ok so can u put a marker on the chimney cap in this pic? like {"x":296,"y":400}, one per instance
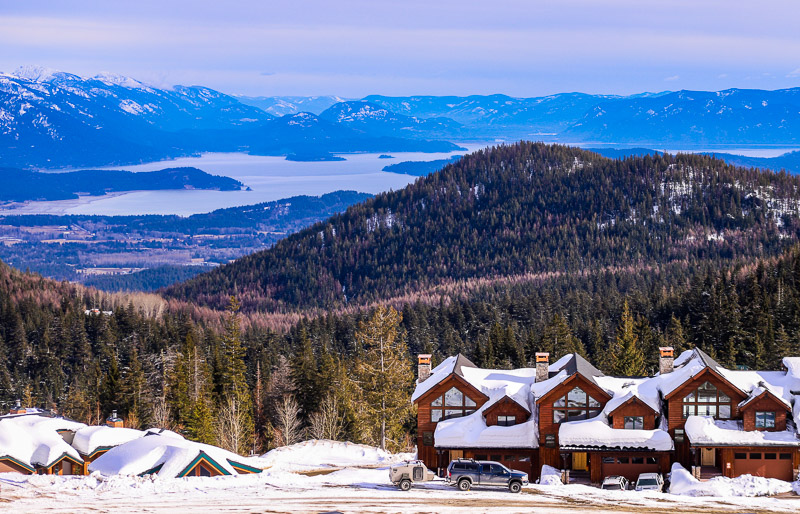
{"x":666,"y":351}
{"x":424,"y":358}
{"x":542,"y":357}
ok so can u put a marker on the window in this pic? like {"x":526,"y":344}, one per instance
{"x":506,"y":421}
{"x":707,"y":400}
{"x":785,"y":456}
{"x":679,"y":433}
{"x":480,"y":457}
{"x":770,"y":456}
{"x":496,"y":458}
{"x":634,"y":422}
{"x":765,"y":419}
{"x":427,"y":438}
{"x":622,"y":460}
{"x":652,"y":460}
{"x":755,"y":456}
{"x":609,"y":460}
{"x":739,"y":455}
{"x":637,"y":460}
{"x":575,"y":406}
{"x":510,"y":458}
{"x":452,"y":404}
{"x":549,"y":441}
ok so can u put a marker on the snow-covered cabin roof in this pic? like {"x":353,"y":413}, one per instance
{"x":34,"y":439}
{"x":596,"y":433}
{"x":90,"y":439}
{"x":166,"y":454}
{"x":707,"y":431}
{"x":450,"y":366}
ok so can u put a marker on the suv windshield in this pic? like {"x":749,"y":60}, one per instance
{"x":648,"y":481}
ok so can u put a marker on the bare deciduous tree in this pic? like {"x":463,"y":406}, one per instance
{"x":327,"y":422}
{"x":232,"y":426}
{"x":287,"y":423}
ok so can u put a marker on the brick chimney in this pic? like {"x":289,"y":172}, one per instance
{"x":18,"y":408}
{"x":423,"y":367}
{"x":542,"y":366}
{"x":666,"y":360}
{"x":114,"y":421}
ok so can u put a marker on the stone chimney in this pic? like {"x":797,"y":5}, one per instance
{"x":542,"y":366}
{"x":423,"y":367}
{"x":18,"y":408}
{"x":114,"y":421}
{"x":666,"y":360}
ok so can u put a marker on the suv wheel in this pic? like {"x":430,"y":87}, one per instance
{"x":515,"y":487}
{"x":463,"y":484}
{"x":405,"y":484}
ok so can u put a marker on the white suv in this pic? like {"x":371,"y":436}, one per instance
{"x":650,"y":482}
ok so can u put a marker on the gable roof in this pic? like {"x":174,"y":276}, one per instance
{"x":760,"y":392}
{"x":450,"y":366}
{"x":632,"y":398}
{"x":491,"y":405}
{"x":577,"y":364}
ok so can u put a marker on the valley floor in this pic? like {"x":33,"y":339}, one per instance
{"x":345,"y":490}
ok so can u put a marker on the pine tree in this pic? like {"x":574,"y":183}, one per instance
{"x":630,"y":361}
{"x":305,"y":376}
{"x":385,"y":377}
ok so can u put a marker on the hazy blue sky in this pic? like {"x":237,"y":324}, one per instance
{"x":353,"y":48}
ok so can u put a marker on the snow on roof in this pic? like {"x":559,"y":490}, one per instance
{"x":623,"y":389}
{"x":167,"y":450}
{"x":89,"y":439}
{"x":34,"y":439}
{"x":439,"y":373}
{"x":702,"y":430}
{"x":471,"y":432}
{"x":595,"y":433}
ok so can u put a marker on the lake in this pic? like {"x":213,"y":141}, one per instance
{"x":270,"y":178}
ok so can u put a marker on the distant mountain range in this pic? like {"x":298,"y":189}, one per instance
{"x":54,"y":119}
{"x":23,"y":185}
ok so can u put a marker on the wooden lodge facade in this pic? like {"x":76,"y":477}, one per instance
{"x":568,"y":415}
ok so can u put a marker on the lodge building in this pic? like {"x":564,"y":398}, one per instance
{"x":569,"y":415}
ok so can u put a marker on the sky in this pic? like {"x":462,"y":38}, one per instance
{"x":354,"y":48}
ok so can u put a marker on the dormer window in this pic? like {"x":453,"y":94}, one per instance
{"x":707,"y":400}
{"x":634,"y":422}
{"x":506,"y":421}
{"x":452,"y":404}
{"x":575,"y":406}
{"x":765,"y":419}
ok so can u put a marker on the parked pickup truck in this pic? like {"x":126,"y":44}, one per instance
{"x":464,"y":473}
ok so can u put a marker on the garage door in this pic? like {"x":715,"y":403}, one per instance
{"x":630,"y":467}
{"x":773,"y":464}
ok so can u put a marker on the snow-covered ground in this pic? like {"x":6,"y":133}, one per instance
{"x":359,"y":486}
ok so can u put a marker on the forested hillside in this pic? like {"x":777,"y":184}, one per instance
{"x":512,"y":211}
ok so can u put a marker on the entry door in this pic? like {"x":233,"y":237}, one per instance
{"x":708,"y":457}
{"x":456,"y":454}
{"x":579,"y":462}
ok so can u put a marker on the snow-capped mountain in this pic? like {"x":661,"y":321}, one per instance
{"x":50,"y":118}
{"x":371,"y":118}
{"x":283,"y":105}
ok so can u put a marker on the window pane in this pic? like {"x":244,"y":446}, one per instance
{"x":453,"y":413}
{"x":561,"y":402}
{"x":688,"y":410}
{"x":786,"y":456}
{"x":770,"y":456}
{"x":724,"y":412}
{"x":608,"y":460}
{"x":468,"y":401}
{"x":559,"y":415}
{"x":739,"y":455}
{"x":706,"y":410}
{"x":576,"y":398}
{"x":436,"y":415}
{"x":628,"y":423}
{"x":437,"y":401}
{"x":652,"y":460}
{"x":593,"y":413}
{"x":622,"y":460}
{"x":770,"y":420}
{"x":723,"y":398}
{"x":689,"y":397}
{"x":755,"y":456}
{"x":637,"y":460}
{"x":593,"y":402}
{"x":467,"y":412}
{"x":576,"y":415}
{"x":453,"y":397}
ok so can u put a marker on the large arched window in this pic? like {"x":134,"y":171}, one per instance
{"x":452,"y":404}
{"x":707,"y":400}
{"x":576,"y":405}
